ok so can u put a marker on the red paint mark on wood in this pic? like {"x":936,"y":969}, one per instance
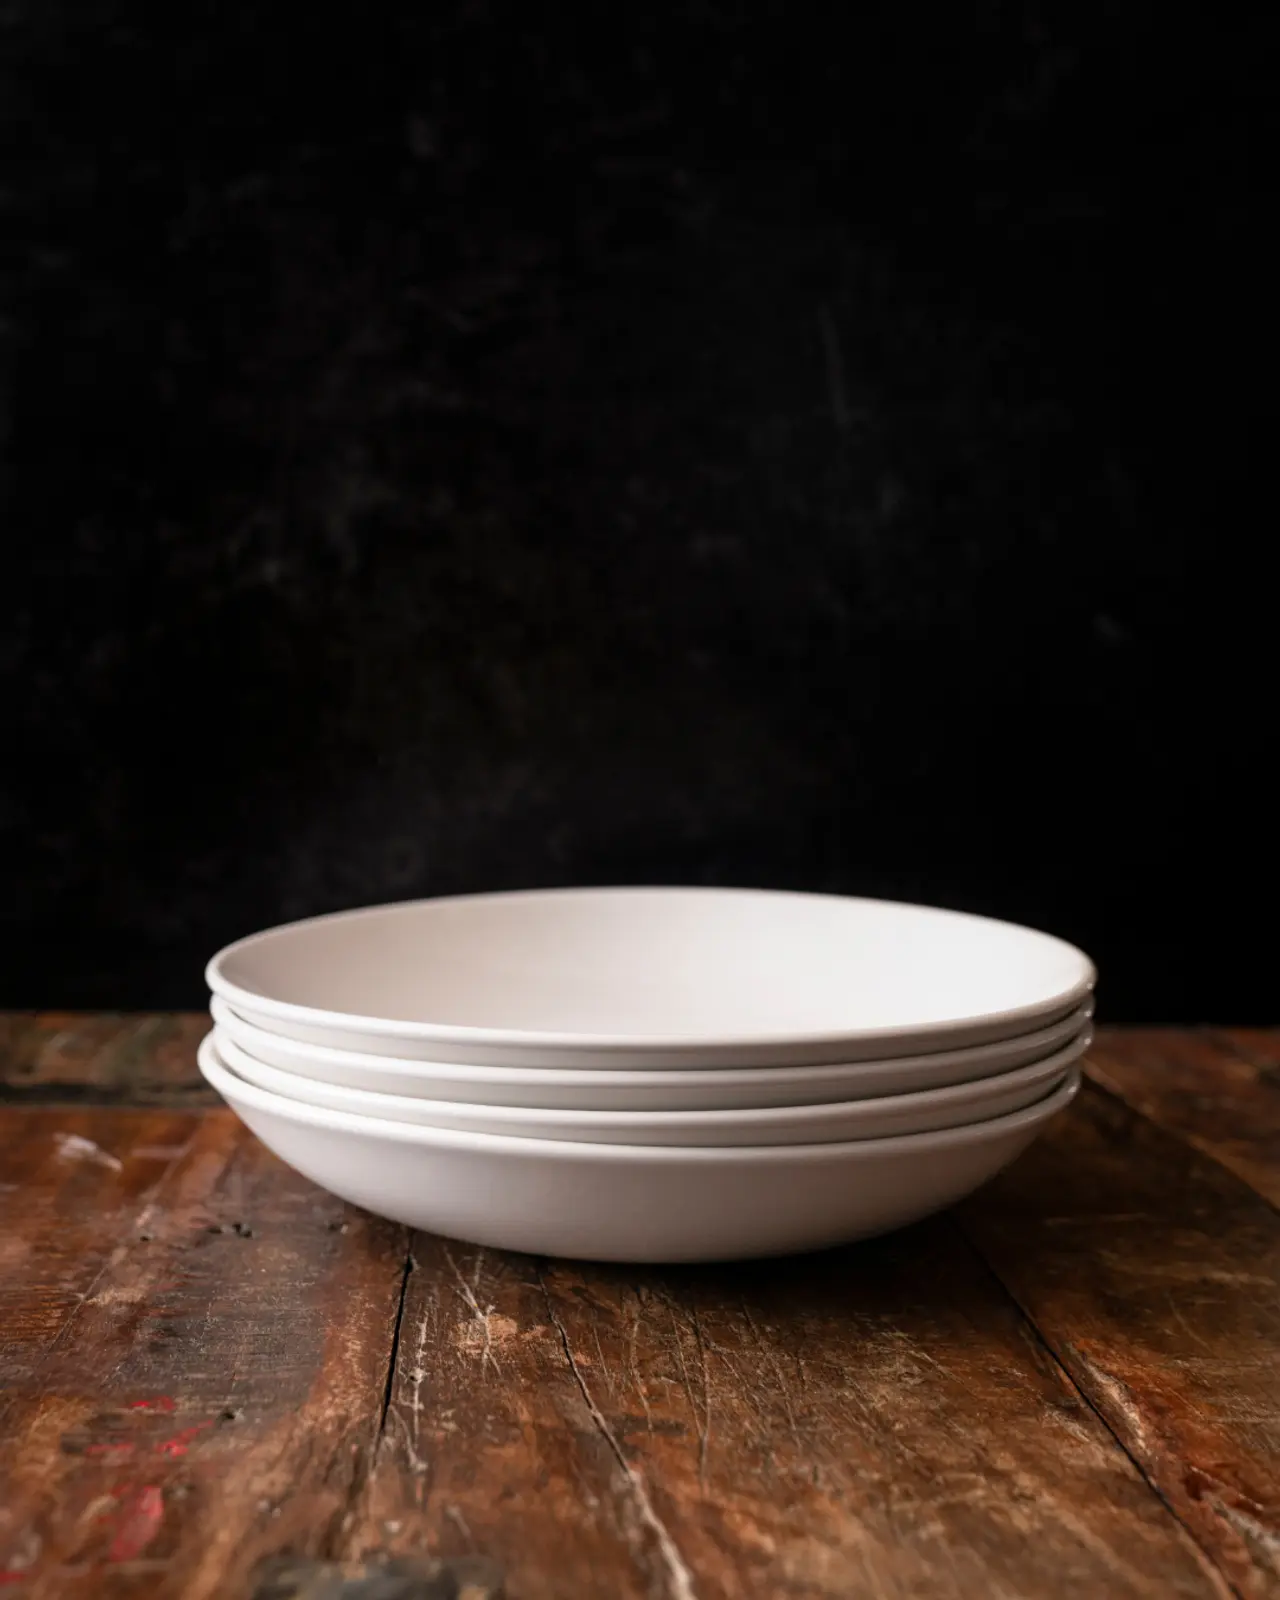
{"x":139,"y":1525}
{"x":162,"y":1402}
{"x":178,"y":1445}
{"x":119,"y":1448}
{"x":12,"y":1577}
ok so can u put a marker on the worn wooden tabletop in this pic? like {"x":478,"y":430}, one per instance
{"x":215,"y":1380}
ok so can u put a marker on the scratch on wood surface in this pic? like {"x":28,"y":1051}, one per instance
{"x":454,"y":1514}
{"x":1137,"y":1421}
{"x":415,"y":1462}
{"x":784,"y":1388}
{"x":602,"y":1366}
{"x":1088,"y":1537}
{"x":417,"y":1376}
{"x":481,"y":1314}
{"x":75,"y":1147}
{"x":633,"y":1366}
{"x":704,"y":1431}
{"x":1175,"y":1311}
{"x":1264,"y":1541}
{"x":701,"y":1413}
{"x":1259,"y":1539}
{"x":680,"y":1577}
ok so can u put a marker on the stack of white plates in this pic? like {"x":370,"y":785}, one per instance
{"x":649,"y":1074}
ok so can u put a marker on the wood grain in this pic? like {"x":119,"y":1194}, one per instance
{"x":215,"y":1381}
{"x":68,"y":1206}
{"x":15,"y":1031}
{"x":876,"y":1420}
{"x":1153,"y":1274}
{"x":212,"y":1401}
{"x":1261,"y":1046}
{"x":1218,"y":1091}
{"x":103,"y":1058}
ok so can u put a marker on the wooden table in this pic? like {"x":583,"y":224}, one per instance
{"x":218,"y":1381}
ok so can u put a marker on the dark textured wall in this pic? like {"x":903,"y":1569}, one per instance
{"x":446,"y":447}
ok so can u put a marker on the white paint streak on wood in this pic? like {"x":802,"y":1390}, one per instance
{"x":74,"y":1147}
{"x":481,"y":1314}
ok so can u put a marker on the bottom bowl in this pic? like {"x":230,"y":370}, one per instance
{"x":620,"y":1202}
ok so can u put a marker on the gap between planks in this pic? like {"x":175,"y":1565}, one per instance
{"x":332,"y":1545}
{"x":1065,"y":1373}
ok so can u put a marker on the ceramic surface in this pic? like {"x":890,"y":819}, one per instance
{"x":651,"y":978}
{"x":629,"y":1202}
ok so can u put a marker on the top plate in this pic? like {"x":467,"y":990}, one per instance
{"x":650,"y":977}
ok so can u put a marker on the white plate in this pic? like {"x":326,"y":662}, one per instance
{"x":587,"y":1090}
{"x":883,"y":1117}
{"x":651,"y":978}
{"x":622,"y":1202}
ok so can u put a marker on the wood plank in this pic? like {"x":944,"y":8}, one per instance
{"x":67,"y":1205}
{"x":142,"y":1058}
{"x":1261,"y":1046}
{"x":1219,"y":1092}
{"x":212,"y":1403}
{"x":15,"y":1028}
{"x":1153,"y":1274}
{"x":877,"y":1420}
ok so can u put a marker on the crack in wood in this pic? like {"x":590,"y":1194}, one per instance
{"x":1070,"y":1381}
{"x":680,"y":1578}
{"x":1242,"y":1144}
{"x":332,"y":1545}
{"x":409,"y":1265}
{"x":1086,"y":1401}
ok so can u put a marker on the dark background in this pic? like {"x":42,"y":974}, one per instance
{"x":450,"y":447}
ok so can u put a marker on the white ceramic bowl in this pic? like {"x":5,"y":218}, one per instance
{"x":878,"y":1118}
{"x":603,"y":1090}
{"x":622,"y":1202}
{"x":650,"y":978}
